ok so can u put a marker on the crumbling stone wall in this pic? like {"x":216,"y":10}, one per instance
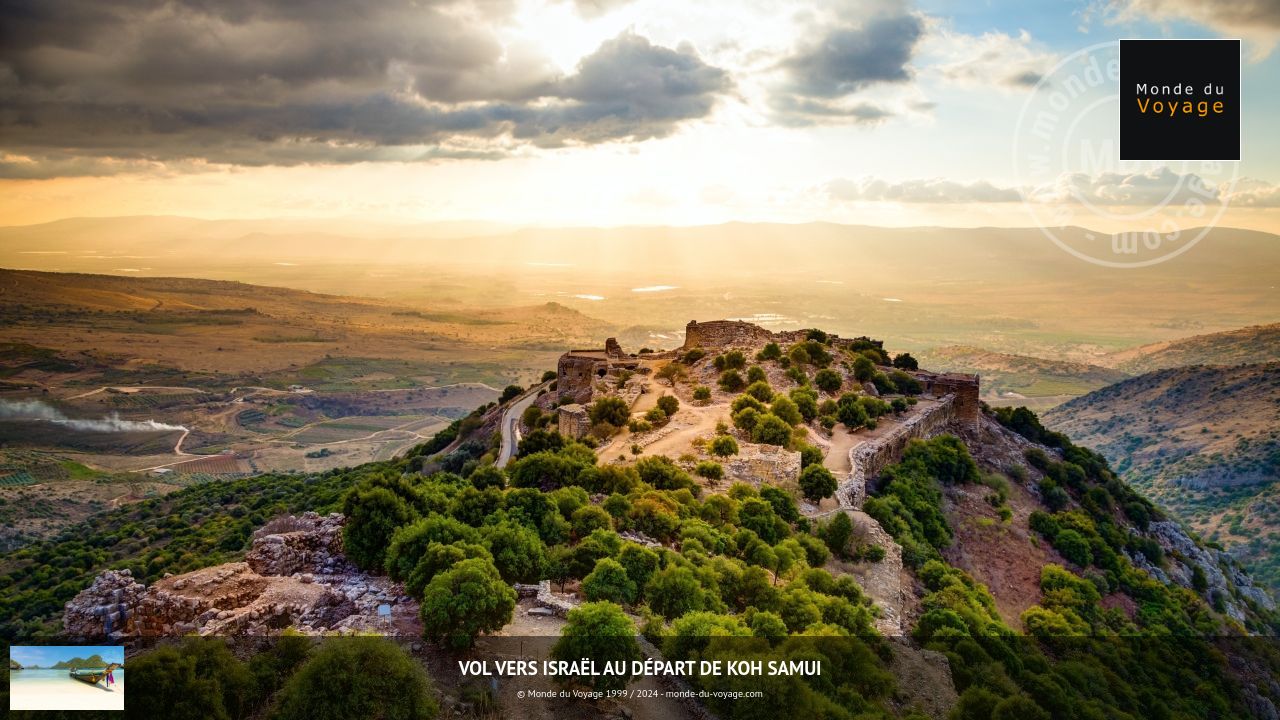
{"x":716,"y":334}
{"x":869,"y":458}
{"x":963,"y":386}
{"x":294,"y":576}
{"x":572,"y":421}
{"x":760,"y":465}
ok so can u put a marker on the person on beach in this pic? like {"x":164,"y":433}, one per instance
{"x":110,"y":678}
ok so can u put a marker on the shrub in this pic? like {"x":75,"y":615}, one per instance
{"x":611,"y":410}
{"x":755,"y":374}
{"x":828,"y":381}
{"x":399,"y":690}
{"x":609,"y":581}
{"x":702,"y":393}
{"x":373,"y":516}
{"x":836,"y":534}
{"x":771,"y":430}
{"x":461,"y":603}
{"x":602,"y":632}
{"x":770,"y":351}
{"x":675,"y":591}
{"x":746,"y":419}
{"x":662,"y":473}
{"x":197,"y":680}
{"x":709,"y":470}
{"x":724,"y":446}
{"x":863,"y":368}
{"x":669,"y":404}
{"x":785,"y":408}
{"x":817,"y":482}
{"x":437,"y":558}
{"x":905,"y":362}
{"x":760,"y":391}
{"x":655,"y":416}
{"x":731,"y":381}
{"x":1074,"y":547}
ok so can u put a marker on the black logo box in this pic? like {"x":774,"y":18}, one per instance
{"x":1184,"y":64}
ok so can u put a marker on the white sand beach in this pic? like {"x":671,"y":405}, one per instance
{"x":55,"y":690}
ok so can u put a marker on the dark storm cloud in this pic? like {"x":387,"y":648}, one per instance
{"x":844,"y":61}
{"x":86,"y":84}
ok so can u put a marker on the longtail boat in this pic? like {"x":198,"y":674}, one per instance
{"x":93,"y":676}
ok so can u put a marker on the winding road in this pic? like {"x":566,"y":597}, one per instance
{"x":511,"y":420}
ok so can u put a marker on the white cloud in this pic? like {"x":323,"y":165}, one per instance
{"x":992,"y":59}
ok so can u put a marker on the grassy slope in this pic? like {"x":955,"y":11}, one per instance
{"x":1201,"y":441}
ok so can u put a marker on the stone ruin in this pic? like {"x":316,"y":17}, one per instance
{"x":718,"y":335}
{"x":578,"y":371}
{"x":294,"y":575}
{"x":573,"y":421}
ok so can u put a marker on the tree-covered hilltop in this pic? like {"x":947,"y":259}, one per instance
{"x":706,"y":569}
{"x":76,"y":663}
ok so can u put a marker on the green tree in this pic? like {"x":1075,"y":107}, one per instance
{"x":602,"y":632}
{"x":709,"y":470}
{"x":373,"y":516}
{"x":488,"y":476}
{"x":518,"y":553}
{"x":817,"y":482}
{"x":437,"y":558}
{"x":609,"y":581}
{"x":338,"y":682}
{"x":756,"y":374}
{"x":836,"y":534}
{"x":675,"y":591}
{"x":702,"y":393}
{"x":828,"y":381}
{"x":640,"y":563}
{"x":863,"y":368}
{"x":610,"y":409}
{"x":589,"y":518}
{"x":731,"y":381}
{"x":669,"y":404}
{"x":410,"y":542}
{"x":785,"y":408}
{"x":510,"y":392}
{"x":196,"y":680}
{"x":771,"y":430}
{"x":662,"y":473}
{"x":724,"y":446}
{"x":461,"y":603}
{"x":760,"y":391}
{"x":770,"y":351}
{"x":904,"y":361}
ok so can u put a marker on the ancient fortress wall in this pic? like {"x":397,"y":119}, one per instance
{"x":724,"y":334}
{"x":869,"y":458}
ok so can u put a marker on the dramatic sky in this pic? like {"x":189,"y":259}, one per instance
{"x":585,"y":112}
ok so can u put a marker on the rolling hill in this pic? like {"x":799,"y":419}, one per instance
{"x":1019,"y":379}
{"x":1254,"y":344}
{"x":1200,"y":440}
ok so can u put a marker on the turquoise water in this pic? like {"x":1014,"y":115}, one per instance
{"x":18,"y":676}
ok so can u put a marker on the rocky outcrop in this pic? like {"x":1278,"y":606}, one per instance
{"x":294,"y":545}
{"x":294,"y":575}
{"x":103,"y":609}
{"x":1186,"y":556}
